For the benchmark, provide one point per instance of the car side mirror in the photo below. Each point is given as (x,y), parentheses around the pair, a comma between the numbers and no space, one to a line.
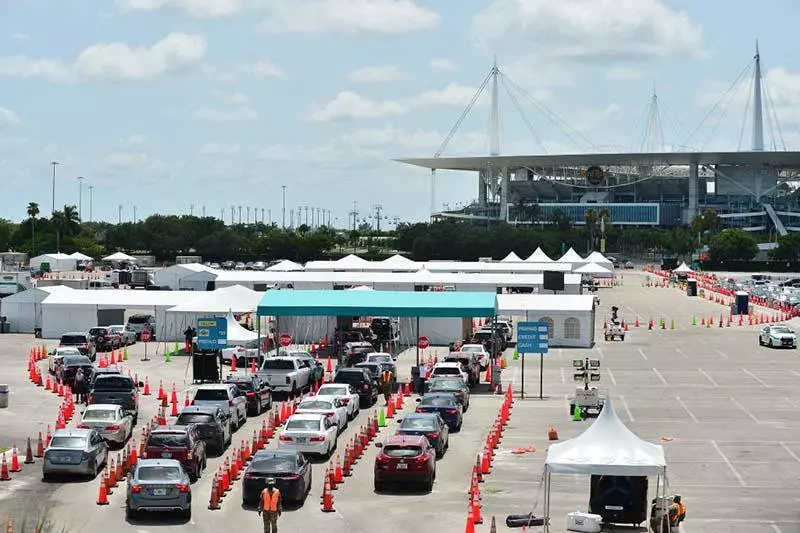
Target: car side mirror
(418,400)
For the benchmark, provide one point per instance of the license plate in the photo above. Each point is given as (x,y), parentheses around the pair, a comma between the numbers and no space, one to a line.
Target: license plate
(402,466)
(301,440)
(166,455)
(63,458)
(159,492)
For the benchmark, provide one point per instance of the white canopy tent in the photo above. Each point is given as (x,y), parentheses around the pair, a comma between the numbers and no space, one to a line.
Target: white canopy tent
(58,262)
(572,258)
(511,258)
(286,266)
(600,259)
(24,309)
(539,256)
(120,256)
(684,269)
(239,335)
(594,270)
(570,317)
(80,257)
(224,301)
(606,448)
(399,262)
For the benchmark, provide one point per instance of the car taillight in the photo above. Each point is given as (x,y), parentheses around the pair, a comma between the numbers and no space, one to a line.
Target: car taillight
(136,489)
(434,435)
(345,401)
(366,387)
(189,455)
(112,427)
(90,398)
(182,488)
(250,476)
(144,454)
(133,397)
(451,411)
(421,458)
(321,438)
(285,438)
(83,426)
(250,394)
(329,414)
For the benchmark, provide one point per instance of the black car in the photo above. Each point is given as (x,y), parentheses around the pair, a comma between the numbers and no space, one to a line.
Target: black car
(356,352)
(81,341)
(289,468)
(107,371)
(257,392)
(383,328)
(374,369)
(431,426)
(103,339)
(70,365)
(213,425)
(363,383)
(116,389)
(456,387)
(446,405)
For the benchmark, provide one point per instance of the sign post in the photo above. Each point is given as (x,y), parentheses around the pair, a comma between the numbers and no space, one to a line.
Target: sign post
(212,333)
(533,337)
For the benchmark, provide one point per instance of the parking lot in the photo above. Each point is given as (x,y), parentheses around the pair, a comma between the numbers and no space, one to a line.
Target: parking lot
(724,408)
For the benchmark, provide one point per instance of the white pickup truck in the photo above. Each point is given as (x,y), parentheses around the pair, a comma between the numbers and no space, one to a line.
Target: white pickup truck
(285,374)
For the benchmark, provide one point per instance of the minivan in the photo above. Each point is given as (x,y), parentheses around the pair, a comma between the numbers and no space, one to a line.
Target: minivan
(138,323)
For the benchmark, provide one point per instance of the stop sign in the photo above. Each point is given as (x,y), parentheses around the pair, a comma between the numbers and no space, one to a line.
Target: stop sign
(145,335)
(285,339)
(423,342)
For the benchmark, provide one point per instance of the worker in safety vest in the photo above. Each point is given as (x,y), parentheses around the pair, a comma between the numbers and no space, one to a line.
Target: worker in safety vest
(271,506)
(386,384)
(677,513)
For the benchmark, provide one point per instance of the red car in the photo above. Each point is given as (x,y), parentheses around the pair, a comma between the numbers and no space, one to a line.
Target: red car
(405,458)
(182,443)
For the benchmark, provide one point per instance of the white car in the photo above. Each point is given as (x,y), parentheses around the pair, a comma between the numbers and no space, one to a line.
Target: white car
(127,336)
(227,397)
(54,361)
(332,408)
(777,337)
(344,393)
(483,356)
(309,433)
(449,370)
(109,421)
(379,357)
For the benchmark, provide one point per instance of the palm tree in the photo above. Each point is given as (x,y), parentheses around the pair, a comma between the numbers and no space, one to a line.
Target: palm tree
(66,222)
(33,212)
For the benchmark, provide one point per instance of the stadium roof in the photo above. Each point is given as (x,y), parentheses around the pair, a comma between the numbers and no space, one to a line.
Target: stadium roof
(770,159)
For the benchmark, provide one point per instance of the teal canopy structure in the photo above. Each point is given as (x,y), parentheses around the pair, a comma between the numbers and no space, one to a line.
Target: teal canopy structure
(377,303)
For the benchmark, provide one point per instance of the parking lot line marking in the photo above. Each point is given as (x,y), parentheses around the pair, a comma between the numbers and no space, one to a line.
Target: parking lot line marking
(683,354)
(774,527)
(720,352)
(664,381)
(746,411)
(789,451)
(764,383)
(796,373)
(613,380)
(643,354)
(627,409)
(790,402)
(563,378)
(709,378)
(599,352)
(728,462)
(685,408)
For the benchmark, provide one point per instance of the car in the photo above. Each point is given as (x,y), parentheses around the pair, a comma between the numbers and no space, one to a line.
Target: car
(384,359)
(345,394)
(506,328)
(212,423)
(75,451)
(356,352)
(777,336)
(450,369)
(110,370)
(70,365)
(228,265)
(259,265)
(361,381)
(290,469)
(454,386)
(405,458)
(225,395)
(375,370)
(257,393)
(484,359)
(446,405)
(104,340)
(629,265)
(140,322)
(81,341)
(367,334)
(430,426)
(332,408)
(240,266)
(116,389)
(385,328)
(110,421)
(310,434)
(317,368)
(158,485)
(286,374)
(54,360)
(126,336)
(493,344)
(469,365)
(182,443)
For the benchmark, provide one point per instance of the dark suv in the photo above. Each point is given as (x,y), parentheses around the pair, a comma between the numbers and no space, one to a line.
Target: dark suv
(182,443)
(257,392)
(212,423)
(69,367)
(360,380)
(81,341)
(356,352)
(469,364)
(104,339)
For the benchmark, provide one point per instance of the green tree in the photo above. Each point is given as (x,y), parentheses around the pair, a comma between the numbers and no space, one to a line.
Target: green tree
(33,212)
(788,248)
(708,222)
(733,245)
(66,223)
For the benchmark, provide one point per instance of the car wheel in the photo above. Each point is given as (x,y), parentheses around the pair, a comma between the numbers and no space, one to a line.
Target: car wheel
(429,484)
(194,475)
(134,421)
(378,486)
(760,341)
(93,468)
(129,513)
(769,343)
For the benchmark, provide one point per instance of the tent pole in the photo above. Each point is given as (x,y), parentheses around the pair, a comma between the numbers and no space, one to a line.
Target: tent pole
(547,500)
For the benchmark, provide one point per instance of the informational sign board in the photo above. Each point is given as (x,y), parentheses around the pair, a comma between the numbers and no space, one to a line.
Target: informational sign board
(423,342)
(285,339)
(212,333)
(532,337)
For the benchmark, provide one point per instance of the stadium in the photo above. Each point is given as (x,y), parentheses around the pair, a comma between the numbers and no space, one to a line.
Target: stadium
(754,189)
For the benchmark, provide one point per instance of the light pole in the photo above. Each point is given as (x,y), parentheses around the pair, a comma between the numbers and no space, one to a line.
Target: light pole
(55,164)
(283,190)
(80,197)
(240,215)
(91,197)
(119,207)
(248,215)
(269,211)
(134,214)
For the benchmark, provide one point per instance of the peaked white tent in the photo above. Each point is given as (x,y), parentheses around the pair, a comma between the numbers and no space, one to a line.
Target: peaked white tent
(80,257)
(571,257)
(399,261)
(286,266)
(351,261)
(684,268)
(235,298)
(239,335)
(606,448)
(58,262)
(119,256)
(594,270)
(600,259)
(539,256)
(512,258)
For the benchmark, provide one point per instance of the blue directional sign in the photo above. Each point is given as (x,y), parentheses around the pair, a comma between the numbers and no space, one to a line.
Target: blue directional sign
(212,333)
(532,337)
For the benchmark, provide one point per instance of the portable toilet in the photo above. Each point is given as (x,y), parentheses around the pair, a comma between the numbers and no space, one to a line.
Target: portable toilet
(691,287)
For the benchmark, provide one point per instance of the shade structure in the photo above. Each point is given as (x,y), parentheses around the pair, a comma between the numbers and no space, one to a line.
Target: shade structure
(606,448)
(377,303)
(399,261)
(238,335)
(571,256)
(119,256)
(235,298)
(286,266)
(80,257)
(683,268)
(593,269)
(600,259)
(538,256)
(351,261)
(511,258)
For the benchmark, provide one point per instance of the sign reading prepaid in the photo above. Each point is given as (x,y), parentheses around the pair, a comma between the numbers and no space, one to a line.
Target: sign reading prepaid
(212,333)
(532,337)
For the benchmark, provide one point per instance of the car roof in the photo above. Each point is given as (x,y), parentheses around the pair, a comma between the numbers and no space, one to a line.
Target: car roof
(158,462)
(472,345)
(351,370)
(305,416)
(439,395)
(102,407)
(314,399)
(406,439)
(421,415)
(331,385)
(446,364)
(169,429)
(203,409)
(370,354)
(72,432)
(280,452)
(214,386)
(239,376)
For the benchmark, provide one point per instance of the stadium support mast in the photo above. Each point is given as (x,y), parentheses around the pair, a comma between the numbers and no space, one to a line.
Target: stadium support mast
(655,125)
(758,122)
(494,131)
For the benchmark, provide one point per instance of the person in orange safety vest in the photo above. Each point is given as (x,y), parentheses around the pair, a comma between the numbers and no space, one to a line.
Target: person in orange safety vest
(270,506)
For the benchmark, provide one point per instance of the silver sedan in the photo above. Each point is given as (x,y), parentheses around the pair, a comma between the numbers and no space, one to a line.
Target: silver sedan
(110,421)
(158,485)
(75,451)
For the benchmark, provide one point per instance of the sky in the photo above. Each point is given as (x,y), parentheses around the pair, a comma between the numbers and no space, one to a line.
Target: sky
(192,106)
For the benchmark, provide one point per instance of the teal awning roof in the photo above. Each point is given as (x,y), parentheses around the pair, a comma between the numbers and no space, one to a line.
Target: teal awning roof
(377,303)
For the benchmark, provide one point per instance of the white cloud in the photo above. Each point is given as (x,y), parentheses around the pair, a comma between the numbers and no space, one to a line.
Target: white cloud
(231,97)
(441,64)
(19,37)
(628,72)
(221,149)
(265,69)
(125,160)
(196,8)
(136,139)
(387,17)
(349,105)
(114,61)
(8,117)
(234,114)
(618,29)
(377,74)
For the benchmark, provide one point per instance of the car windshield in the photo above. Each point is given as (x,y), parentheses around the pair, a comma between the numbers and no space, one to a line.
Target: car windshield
(159,473)
(418,423)
(68,442)
(446,384)
(99,414)
(113,383)
(174,440)
(380,358)
(277,463)
(436,400)
(374,369)
(327,390)
(73,339)
(67,351)
(278,364)
(211,395)
(98,331)
(116,329)
(303,425)
(194,418)
(477,349)
(76,360)
(780,329)
(242,385)
(402,451)
(138,319)
(447,370)
(315,404)
(460,360)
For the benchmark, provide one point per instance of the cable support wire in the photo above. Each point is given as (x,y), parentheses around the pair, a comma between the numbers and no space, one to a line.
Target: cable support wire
(522,115)
(744,117)
(721,117)
(464,114)
(773,108)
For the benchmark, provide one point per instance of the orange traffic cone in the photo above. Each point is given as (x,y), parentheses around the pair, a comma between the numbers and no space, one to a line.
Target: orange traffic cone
(213,503)
(4,475)
(102,495)
(174,411)
(233,363)
(470,528)
(329,366)
(29,453)
(174,397)
(146,387)
(39,446)
(338,471)
(327,497)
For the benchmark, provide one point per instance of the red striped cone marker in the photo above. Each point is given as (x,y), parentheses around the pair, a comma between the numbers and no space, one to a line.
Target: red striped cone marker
(102,494)
(4,475)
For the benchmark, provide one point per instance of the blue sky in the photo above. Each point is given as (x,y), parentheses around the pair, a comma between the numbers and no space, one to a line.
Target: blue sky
(164,104)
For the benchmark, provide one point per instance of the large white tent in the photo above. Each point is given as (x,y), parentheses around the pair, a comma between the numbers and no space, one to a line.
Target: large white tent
(239,335)
(286,266)
(24,309)
(173,277)
(511,258)
(570,318)
(600,259)
(220,302)
(538,256)
(58,262)
(606,448)
(594,270)
(80,257)
(120,256)
(398,262)
(572,257)
(684,269)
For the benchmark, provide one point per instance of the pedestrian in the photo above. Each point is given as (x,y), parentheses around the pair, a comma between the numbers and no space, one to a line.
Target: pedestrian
(270,506)
(188,334)
(386,384)
(79,386)
(677,513)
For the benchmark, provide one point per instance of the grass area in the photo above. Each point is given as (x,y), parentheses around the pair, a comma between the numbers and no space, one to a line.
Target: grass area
(3,449)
